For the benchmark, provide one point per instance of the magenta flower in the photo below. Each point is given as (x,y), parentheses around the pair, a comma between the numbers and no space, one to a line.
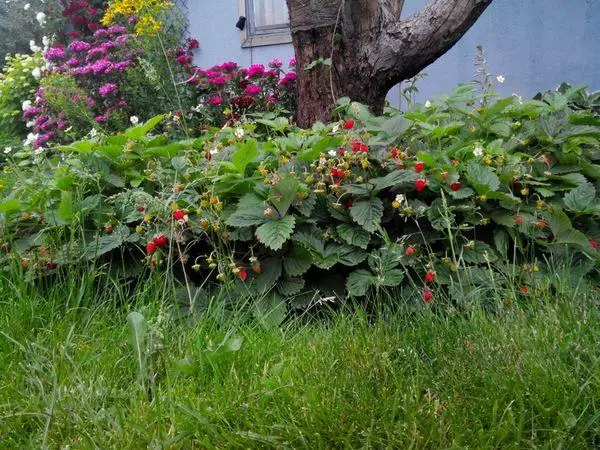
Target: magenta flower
(79,46)
(215,101)
(275,63)
(256,70)
(107,89)
(252,90)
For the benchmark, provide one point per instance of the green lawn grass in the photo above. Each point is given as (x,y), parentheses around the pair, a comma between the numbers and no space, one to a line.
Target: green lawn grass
(526,377)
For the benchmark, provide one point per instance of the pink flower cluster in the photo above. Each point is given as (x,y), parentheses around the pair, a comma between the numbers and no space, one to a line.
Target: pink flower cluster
(83,17)
(240,90)
(97,64)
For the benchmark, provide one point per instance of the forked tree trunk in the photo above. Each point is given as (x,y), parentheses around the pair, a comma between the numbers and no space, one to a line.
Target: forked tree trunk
(370,47)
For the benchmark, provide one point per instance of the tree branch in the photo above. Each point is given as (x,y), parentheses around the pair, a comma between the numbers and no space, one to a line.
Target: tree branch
(408,46)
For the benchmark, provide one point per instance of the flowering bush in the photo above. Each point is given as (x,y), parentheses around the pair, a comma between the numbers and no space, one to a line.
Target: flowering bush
(96,69)
(459,197)
(18,83)
(145,15)
(226,92)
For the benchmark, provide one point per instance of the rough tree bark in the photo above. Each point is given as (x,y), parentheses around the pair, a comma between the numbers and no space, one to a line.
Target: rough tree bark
(371,47)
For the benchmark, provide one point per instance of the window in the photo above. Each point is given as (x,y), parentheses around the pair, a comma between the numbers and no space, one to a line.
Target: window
(267,22)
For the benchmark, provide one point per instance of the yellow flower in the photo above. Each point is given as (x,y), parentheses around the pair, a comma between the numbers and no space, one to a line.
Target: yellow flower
(146,12)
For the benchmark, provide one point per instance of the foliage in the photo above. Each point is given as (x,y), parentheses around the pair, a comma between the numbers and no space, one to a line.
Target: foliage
(18,83)
(440,199)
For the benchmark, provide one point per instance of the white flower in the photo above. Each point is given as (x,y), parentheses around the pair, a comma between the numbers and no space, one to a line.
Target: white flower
(500,79)
(27,6)
(30,124)
(7,150)
(34,48)
(41,18)
(38,151)
(214,150)
(31,138)
(401,198)
(46,41)
(36,73)
(239,132)
(478,152)
(335,128)
(26,105)
(93,132)
(134,120)
(427,104)
(332,153)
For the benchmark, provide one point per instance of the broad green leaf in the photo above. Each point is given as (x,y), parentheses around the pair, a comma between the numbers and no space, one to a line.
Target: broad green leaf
(65,208)
(275,233)
(501,128)
(392,179)
(563,230)
(354,235)
(104,244)
(501,241)
(396,125)
(142,130)
(582,199)
(179,163)
(10,205)
(297,261)
(165,151)
(367,213)
(390,278)
(283,194)
(359,282)
(271,271)
(350,256)
(250,211)
(244,155)
(290,286)
(482,178)
(321,146)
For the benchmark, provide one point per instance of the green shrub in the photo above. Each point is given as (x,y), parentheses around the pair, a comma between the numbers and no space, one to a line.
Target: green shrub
(17,85)
(465,196)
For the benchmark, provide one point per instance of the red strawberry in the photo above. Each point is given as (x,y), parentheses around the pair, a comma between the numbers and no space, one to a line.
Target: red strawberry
(356,145)
(455,186)
(160,240)
(349,124)
(150,248)
(594,244)
(419,167)
(341,151)
(109,229)
(410,250)
(394,153)
(141,208)
(518,220)
(429,277)
(178,214)
(420,185)
(427,296)
(243,274)
(542,224)
(256,268)
(364,148)
(524,289)
(51,265)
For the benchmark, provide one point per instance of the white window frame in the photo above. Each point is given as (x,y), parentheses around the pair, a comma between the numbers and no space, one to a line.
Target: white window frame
(277,36)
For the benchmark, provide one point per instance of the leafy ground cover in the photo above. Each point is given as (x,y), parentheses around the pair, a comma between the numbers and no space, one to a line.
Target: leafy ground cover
(72,374)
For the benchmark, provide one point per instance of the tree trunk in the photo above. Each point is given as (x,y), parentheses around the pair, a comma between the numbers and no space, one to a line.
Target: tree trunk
(362,48)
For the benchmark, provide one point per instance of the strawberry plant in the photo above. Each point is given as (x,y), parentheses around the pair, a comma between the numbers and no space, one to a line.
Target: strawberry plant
(461,196)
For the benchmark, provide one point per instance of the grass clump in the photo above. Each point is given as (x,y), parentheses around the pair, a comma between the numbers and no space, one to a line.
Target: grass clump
(69,377)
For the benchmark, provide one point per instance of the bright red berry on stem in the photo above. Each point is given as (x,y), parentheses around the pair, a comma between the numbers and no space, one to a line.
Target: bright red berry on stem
(141,208)
(420,185)
(341,151)
(410,250)
(594,244)
(349,124)
(356,145)
(160,240)
(109,229)
(150,248)
(178,214)
(455,186)
(524,289)
(518,220)
(419,167)
(394,153)
(542,224)
(429,277)
(427,296)
(51,265)
(243,274)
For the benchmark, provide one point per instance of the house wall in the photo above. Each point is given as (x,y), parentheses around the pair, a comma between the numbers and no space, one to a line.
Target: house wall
(534,44)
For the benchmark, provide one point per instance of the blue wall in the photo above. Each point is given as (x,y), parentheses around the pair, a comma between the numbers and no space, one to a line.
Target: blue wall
(534,44)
